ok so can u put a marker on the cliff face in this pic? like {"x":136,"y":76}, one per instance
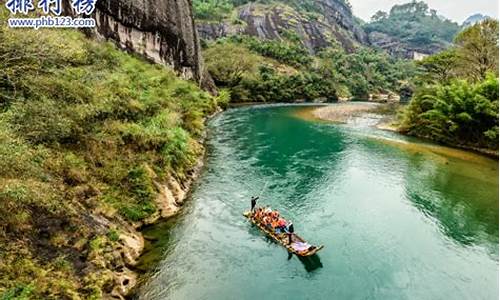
{"x":397,"y":48}
{"x":161,"y":30}
{"x":339,"y":13}
{"x":335,"y":24}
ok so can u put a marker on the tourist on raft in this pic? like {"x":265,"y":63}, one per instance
{"x":272,"y":220}
{"x":279,"y":227}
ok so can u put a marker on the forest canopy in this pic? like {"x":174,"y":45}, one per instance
{"x":270,"y":71}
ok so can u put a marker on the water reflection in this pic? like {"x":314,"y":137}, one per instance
{"x":440,"y":187}
{"x":157,"y":244}
{"x":282,"y":147}
{"x":467,"y":215}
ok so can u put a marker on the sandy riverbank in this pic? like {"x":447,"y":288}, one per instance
{"x":383,"y":116}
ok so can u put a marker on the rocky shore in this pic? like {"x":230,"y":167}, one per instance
{"x":170,"y":199}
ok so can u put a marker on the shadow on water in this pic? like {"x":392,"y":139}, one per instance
{"x":467,"y":215}
{"x":311,"y":263}
{"x":157,"y":244}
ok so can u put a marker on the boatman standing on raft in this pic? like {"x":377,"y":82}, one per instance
{"x":254,"y":202}
{"x":290,"y":232}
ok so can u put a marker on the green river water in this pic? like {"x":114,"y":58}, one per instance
{"x":400,"y":219}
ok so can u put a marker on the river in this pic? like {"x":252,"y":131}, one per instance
{"x":399,"y":218}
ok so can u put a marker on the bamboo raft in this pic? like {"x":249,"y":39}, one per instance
{"x":283,"y":238}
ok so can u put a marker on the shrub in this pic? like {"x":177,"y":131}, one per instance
{"x":456,"y":113}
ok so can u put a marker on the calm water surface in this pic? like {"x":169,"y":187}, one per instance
{"x":399,"y":219}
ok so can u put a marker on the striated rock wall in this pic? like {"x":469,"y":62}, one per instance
{"x":337,"y":12}
{"x":160,"y":30}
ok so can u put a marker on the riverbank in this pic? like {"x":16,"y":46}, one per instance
{"x":384,"y":117}
{"x":170,"y":201}
{"x":83,"y":170}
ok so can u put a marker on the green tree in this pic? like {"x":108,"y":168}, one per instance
{"x":441,"y":67}
{"x":457,"y":113}
{"x":415,"y":24}
{"x":477,"y":49}
{"x":229,"y":62}
{"x":379,"y":16}
{"x":290,"y":51}
{"x":212,"y":9}
{"x":456,"y":101}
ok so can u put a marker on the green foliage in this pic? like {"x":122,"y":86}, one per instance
{"x":415,"y":24}
{"x":229,"y":62}
{"x":20,"y":292}
{"x":458,"y":113}
{"x":83,"y":127}
{"x":212,"y":9}
{"x":441,"y":67}
{"x":474,"y":54}
{"x":255,"y":75}
{"x":290,"y":52}
{"x":456,"y":101}
{"x":477,"y":49}
{"x":113,"y":235}
{"x":97,"y":243}
{"x":42,"y":121}
{"x":366,"y":71}
{"x":224,"y":97}
{"x":270,"y":86}
{"x":24,"y":277}
{"x":140,"y":184}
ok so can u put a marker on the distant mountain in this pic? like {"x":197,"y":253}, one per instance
{"x":411,"y":30}
{"x":476,"y":18}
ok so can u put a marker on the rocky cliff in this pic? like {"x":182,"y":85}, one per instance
{"x":160,"y":30}
{"x":395,"y":47}
{"x":335,"y":24}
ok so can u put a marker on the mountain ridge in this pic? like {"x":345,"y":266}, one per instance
{"x":326,"y":23}
{"x":475,"y":18}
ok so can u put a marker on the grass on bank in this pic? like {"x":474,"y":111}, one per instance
{"x":84,"y":128}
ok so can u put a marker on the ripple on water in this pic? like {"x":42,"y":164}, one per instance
{"x":398,"y":219}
